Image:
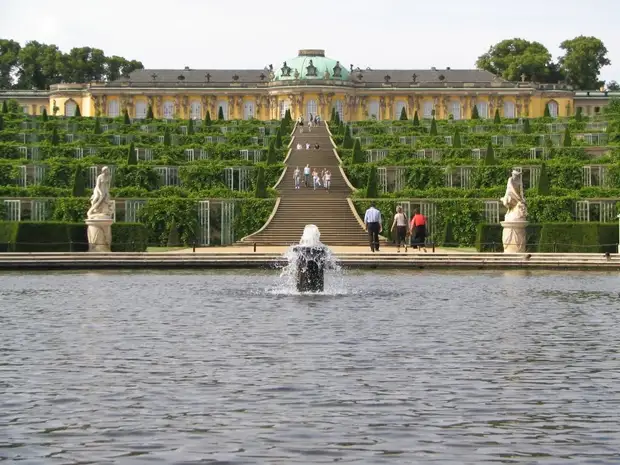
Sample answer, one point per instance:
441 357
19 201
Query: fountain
310 258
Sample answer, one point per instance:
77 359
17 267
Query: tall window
428 109
248 110
509 110
223 104
140 110
373 109
195 110
398 108
455 109
311 109
70 107
113 108
339 106
553 108
168 110
483 109
284 106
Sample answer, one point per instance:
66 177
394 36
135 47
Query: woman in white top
299 146
327 180
316 179
297 177
400 223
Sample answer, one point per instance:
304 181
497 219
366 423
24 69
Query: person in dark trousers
417 229
372 220
400 225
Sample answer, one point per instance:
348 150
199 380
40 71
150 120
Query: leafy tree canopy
582 61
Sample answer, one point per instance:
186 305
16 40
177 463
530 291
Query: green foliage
278 140
613 107
474 112
526 127
70 209
167 137
416 120
496 118
271 153
190 127
456 143
543 181
489 157
126 119
5 107
332 119
158 214
287 116
97 129
55 138
433 131
579 114
358 154
79 182
403 114
173 235
149 113
582 61
1 122
261 188
78 113
8 235
547 113
129 237
208 119
220 114
132 156
513 57
372 191
44 117
489 237
567 137
347 142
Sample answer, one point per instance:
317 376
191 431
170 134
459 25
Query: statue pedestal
99 233
514 236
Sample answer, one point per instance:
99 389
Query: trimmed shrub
77 113
526 127
8 235
358 154
489 158
456 143
129 237
5 107
497 119
403 114
167 138
208 118
149 113
372 191
433 131
44 115
332 120
261 187
55 138
579 115
220 114
97 129
173 235
79 182
278 140
543 181
474 112
547 113
347 142
132 156
190 127
416 120
271 154
1 123
126 119
567 140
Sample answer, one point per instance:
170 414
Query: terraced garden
202 182
456 171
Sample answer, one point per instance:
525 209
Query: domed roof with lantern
310 64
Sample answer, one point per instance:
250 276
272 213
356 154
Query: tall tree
40 65
9 61
117 67
613 86
582 61
512 58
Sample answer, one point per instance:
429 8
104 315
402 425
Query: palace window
553 108
455 109
311 109
195 110
168 110
428 109
140 110
248 110
284 106
398 108
509 110
483 109
70 107
373 109
113 108
338 105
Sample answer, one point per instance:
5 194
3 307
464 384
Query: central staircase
329 211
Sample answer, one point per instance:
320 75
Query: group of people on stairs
324 179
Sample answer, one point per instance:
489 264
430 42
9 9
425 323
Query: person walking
400 224
306 175
417 229
372 220
328 180
297 177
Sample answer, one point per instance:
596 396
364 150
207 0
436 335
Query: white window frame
398 108
168 109
483 109
311 109
428 109
141 109
509 110
248 110
70 107
554 108
374 109
455 109
113 109
195 110
339 107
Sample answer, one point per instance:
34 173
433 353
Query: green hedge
27 236
555 237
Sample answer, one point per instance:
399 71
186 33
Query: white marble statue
514 199
100 200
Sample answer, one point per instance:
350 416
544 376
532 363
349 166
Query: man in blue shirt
372 220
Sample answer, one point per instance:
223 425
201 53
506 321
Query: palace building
310 84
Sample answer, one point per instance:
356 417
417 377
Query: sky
250 34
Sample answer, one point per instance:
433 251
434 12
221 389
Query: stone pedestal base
514 236
99 233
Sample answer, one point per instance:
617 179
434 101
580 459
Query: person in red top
417 230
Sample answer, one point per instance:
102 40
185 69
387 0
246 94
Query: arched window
140 110
284 106
509 110
195 110
553 108
311 109
70 107
428 109
483 109
168 109
373 109
455 109
398 108
223 104
248 110
339 106
113 108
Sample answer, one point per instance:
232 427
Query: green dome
310 64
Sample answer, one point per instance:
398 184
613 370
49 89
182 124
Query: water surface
387 368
